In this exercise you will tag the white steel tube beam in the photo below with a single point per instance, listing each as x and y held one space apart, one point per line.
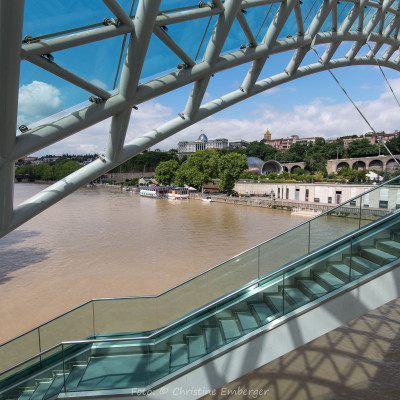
119 12
354 12
73 40
137 48
213 50
246 29
268 41
11 19
167 40
69 76
370 27
312 31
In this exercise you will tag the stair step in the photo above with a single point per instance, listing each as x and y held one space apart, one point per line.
396 236
196 346
328 280
389 246
213 337
179 355
361 264
277 302
296 297
159 365
247 321
75 377
264 313
230 329
377 256
55 387
343 271
41 390
26 395
312 288
118 372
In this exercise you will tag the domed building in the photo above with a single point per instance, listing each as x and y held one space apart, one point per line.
259 167
203 143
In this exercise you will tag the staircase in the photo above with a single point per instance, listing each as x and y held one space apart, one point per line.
140 362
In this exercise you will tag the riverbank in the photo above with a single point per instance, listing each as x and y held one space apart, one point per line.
304 208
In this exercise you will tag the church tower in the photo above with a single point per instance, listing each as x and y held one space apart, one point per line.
267 135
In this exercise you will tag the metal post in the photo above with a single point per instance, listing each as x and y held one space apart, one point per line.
11 19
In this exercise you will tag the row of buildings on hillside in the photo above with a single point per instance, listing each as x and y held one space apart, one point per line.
283 144
203 143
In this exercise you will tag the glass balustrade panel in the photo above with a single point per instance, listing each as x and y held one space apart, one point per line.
19 350
74 325
283 249
183 299
125 315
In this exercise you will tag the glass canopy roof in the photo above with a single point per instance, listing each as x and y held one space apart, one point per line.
99 62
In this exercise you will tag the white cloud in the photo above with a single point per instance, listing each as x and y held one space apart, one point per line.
36 101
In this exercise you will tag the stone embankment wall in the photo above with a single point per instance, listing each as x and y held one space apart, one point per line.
305 208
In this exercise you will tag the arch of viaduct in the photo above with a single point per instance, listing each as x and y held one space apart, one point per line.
379 163
231 39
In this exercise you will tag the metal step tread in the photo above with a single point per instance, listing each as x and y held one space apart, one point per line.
296 296
196 346
122 371
343 271
362 264
376 253
230 329
179 355
278 303
246 320
213 337
313 288
329 279
264 313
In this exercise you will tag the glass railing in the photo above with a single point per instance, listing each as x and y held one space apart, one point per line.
137 362
100 318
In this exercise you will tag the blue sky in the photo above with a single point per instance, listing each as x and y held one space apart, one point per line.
310 106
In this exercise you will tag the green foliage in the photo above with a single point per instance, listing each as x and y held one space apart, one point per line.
272 175
199 169
47 172
261 150
165 172
230 167
362 148
145 162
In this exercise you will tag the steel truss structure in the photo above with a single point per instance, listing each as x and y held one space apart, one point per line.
379 30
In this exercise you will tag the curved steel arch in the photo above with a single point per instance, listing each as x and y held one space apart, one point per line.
357 21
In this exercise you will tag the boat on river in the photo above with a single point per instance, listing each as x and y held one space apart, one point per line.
157 192
178 193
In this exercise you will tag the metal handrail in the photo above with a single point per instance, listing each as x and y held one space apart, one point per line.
219 300
211 268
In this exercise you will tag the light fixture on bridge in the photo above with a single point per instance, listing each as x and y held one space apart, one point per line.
183 66
164 28
242 46
29 39
94 99
23 128
243 11
49 57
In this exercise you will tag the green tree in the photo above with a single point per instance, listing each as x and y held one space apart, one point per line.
199 169
230 167
165 172
362 148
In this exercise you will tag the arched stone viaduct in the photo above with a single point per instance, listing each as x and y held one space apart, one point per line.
378 163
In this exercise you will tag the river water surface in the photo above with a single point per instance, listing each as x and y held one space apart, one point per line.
102 242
